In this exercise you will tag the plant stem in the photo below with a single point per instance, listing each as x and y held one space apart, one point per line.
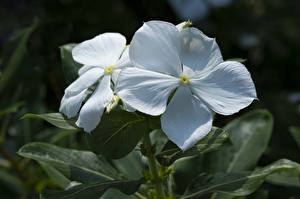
156 180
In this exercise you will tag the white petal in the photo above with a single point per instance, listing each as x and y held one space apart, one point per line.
91 112
85 68
145 90
70 105
84 81
115 75
103 50
227 89
199 52
156 46
187 119
124 61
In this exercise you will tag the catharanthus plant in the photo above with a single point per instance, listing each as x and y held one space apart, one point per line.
175 79
102 58
187 66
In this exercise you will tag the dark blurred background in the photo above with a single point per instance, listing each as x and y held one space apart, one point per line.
264 32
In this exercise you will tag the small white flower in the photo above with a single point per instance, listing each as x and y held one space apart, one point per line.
102 57
189 63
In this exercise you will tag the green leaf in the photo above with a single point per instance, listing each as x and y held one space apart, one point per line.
130 166
57 119
94 190
237 184
11 109
212 141
249 135
81 166
285 179
117 134
56 176
295 132
70 67
241 60
115 193
16 58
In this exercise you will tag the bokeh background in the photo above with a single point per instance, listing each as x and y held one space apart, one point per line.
264 32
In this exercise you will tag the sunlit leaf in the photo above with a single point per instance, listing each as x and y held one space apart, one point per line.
237 184
82 166
249 135
56 119
212 141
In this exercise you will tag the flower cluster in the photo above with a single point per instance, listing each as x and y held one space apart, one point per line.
173 71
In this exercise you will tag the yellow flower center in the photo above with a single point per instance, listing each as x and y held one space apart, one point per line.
108 70
184 79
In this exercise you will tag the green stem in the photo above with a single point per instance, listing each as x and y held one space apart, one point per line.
156 180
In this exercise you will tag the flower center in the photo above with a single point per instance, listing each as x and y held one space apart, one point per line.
184 79
108 70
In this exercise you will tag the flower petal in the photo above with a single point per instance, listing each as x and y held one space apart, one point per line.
124 59
145 90
84 81
70 105
199 52
156 46
103 50
227 89
186 120
91 112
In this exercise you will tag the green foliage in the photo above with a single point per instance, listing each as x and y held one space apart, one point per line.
238 184
170 153
93 190
295 132
18 55
249 135
70 67
117 134
81 166
56 119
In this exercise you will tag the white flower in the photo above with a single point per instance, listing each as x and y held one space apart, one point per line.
189 63
102 57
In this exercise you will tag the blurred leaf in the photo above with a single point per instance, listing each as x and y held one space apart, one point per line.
94 190
57 119
11 109
295 132
117 134
82 166
241 60
10 181
170 153
56 176
70 67
16 58
249 135
237 184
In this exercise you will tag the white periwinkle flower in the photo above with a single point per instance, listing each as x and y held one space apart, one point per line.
189 63
102 58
